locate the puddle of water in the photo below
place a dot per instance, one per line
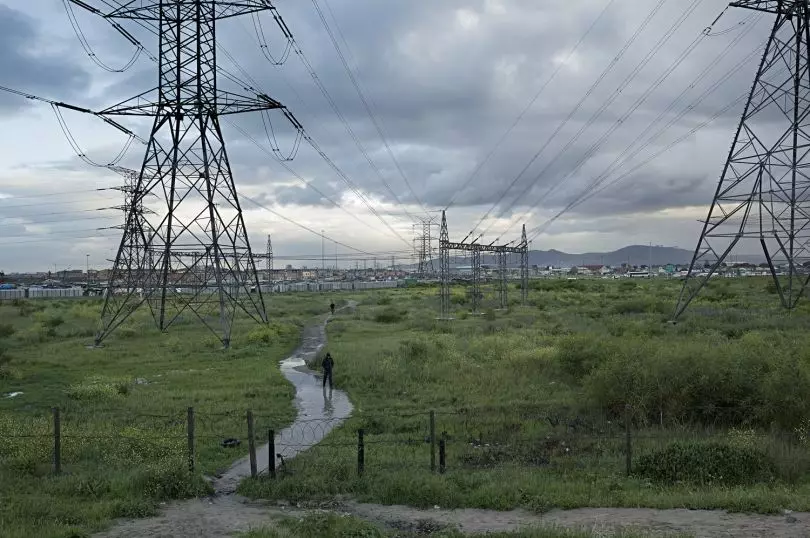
(319, 411)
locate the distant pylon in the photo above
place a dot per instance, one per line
(444, 268)
(269, 262)
(764, 190)
(423, 246)
(524, 267)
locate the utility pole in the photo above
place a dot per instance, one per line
(186, 167)
(323, 258)
(87, 268)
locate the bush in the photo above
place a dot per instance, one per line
(6, 330)
(390, 315)
(578, 355)
(99, 388)
(706, 463)
(271, 333)
(698, 380)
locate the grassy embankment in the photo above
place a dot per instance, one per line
(124, 406)
(736, 364)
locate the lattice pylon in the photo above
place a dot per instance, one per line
(193, 252)
(503, 282)
(764, 191)
(475, 256)
(524, 267)
(444, 269)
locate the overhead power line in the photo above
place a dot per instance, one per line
(528, 106)
(613, 62)
(363, 98)
(608, 103)
(339, 114)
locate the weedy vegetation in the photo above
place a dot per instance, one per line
(535, 401)
(124, 409)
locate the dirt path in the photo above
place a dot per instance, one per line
(225, 513)
(700, 523)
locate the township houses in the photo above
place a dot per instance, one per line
(594, 270)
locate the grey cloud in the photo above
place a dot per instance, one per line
(24, 66)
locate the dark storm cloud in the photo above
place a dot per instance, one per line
(23, 65)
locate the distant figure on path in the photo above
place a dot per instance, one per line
(332, 308)
(327, 365)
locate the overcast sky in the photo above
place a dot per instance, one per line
(445, 80)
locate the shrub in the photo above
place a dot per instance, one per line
(706, 463)
(578, 354)
(702, 380)
(99, 388)
(390, 315)
(6, 330)
(271, 333)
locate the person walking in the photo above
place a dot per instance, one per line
(332, 307)
(327, 364)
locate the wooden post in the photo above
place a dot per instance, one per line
(432, 441)
(190, 432)
(361, 453)
(271, 457)
(443, 453)
(628, 439)
(57, 441)
(251, 444)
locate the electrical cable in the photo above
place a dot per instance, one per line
(609, 102)
(528, 106)
(86, 44)
(364, 99)
(642, 26)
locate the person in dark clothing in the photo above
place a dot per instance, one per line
(327, 365)
(332, 308)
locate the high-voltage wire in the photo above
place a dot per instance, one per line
(363, 98)
(528, 106)
(610, 100)
(599, 184)
(642, 26)
(89, 50)
(635, 106)
(333, 105)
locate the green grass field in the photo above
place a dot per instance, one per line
(533, 400)
(123, 409)
(718, 398)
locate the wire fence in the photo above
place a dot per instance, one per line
(457, 440)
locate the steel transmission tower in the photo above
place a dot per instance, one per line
(194, 256)
(444, 268)
(269, 261)
(764, 190)
(423, 244)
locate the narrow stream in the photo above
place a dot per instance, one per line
(319, 411)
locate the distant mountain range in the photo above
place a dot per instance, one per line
(631, 255)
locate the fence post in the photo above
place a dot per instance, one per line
(361, 453)
(271, 456)
(432, 441)
(443, 453)
(628, 439)
(57, 441)
(190, 432)
(251, 444)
